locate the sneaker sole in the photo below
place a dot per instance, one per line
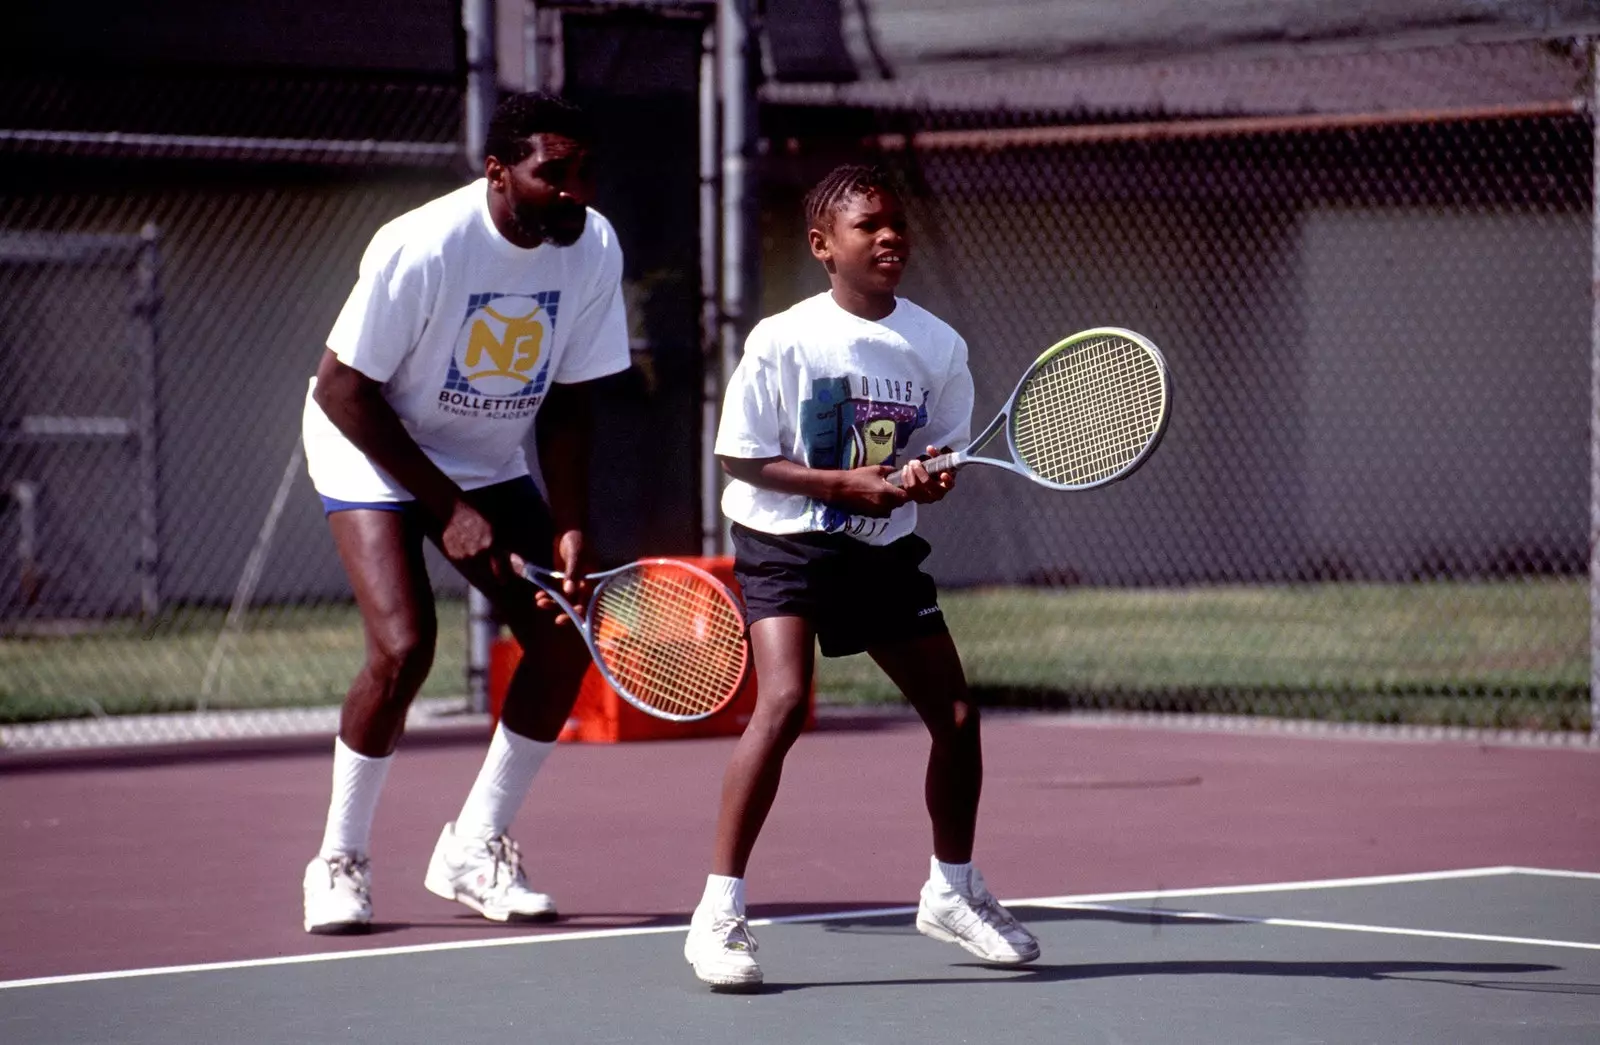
(447, 892)
(338, 928)
(934, 931)
(727, 983)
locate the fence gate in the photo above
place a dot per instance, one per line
(78, 426)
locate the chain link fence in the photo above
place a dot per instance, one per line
(174, 247)
(154, 415)
(1373, 499)
(1372, 282)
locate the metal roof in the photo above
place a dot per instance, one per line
(1185, 58)
(1461, 77)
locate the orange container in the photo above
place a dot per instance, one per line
(602, 717)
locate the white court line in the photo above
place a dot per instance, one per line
(1282, 887)
(1299, 923)
(425, 948)
(880, 912)
(1589, 875)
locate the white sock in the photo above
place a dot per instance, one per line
(503, 781)
(723, 895)
(955, 877)
(357, 783)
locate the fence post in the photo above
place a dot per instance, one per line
(148, 419)
(712, 377)
(737, 68)
(477, 18)
(1593, 101)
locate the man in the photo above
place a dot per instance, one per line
(475, 317)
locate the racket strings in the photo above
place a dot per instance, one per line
(1085, 415)
(670, 638)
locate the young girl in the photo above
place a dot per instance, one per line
(817, 415)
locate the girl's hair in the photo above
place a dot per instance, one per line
(521, 116)
(840, 185)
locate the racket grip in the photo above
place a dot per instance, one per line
(943, 463)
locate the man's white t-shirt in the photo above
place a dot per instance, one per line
(466, 332)
(828, 389)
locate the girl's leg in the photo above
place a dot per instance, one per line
(784, 650)
(928, 671)
(956, 905)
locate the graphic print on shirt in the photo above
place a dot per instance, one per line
(853, 421)
(500, 366)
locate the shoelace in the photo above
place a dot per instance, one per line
(990, 911)
(986, 911)
(347, 867)
(999, 919)
(503, 852)
(731, 931)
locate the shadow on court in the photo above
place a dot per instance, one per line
(1046, 974)
(1035, 915)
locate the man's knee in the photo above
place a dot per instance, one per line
(401, 651)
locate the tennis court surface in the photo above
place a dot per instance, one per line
(1188, 885)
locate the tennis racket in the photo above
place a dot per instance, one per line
(1087, 413)
(668, 636)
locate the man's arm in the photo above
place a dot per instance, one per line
(355, 404)
(564, 432)
(860, 491)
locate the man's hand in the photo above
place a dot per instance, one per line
(865, 491)
(572, 563)
(922, 487)
(468, 536)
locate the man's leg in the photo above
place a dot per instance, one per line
(382, 555)
(475, 861)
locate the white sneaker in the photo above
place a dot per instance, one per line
(487, 877)
(338, 891)
(975, 920)
(721, 949)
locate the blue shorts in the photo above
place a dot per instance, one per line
(333, 504)
(514, 508)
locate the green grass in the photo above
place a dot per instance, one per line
(1514, 654)
(285, 657)
(1503, 654)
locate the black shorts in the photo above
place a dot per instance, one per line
(855, 595)
(514, 508)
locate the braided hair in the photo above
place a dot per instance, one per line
(522, 116)
(842, 184)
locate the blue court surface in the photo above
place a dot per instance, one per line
(1490, 955)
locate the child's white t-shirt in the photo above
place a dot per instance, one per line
(466, 332)
(828, 389)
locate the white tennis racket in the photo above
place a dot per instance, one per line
(1088, 412)
(668, 636)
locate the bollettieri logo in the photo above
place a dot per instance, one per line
(501, 362)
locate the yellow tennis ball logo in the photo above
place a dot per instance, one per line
(502, 345)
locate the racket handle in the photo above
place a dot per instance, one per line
(943, 463)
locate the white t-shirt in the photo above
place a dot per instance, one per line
(466, 332)
(828, 389)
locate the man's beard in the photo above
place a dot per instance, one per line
(560, 224)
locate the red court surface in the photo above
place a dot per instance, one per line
(181, 859)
